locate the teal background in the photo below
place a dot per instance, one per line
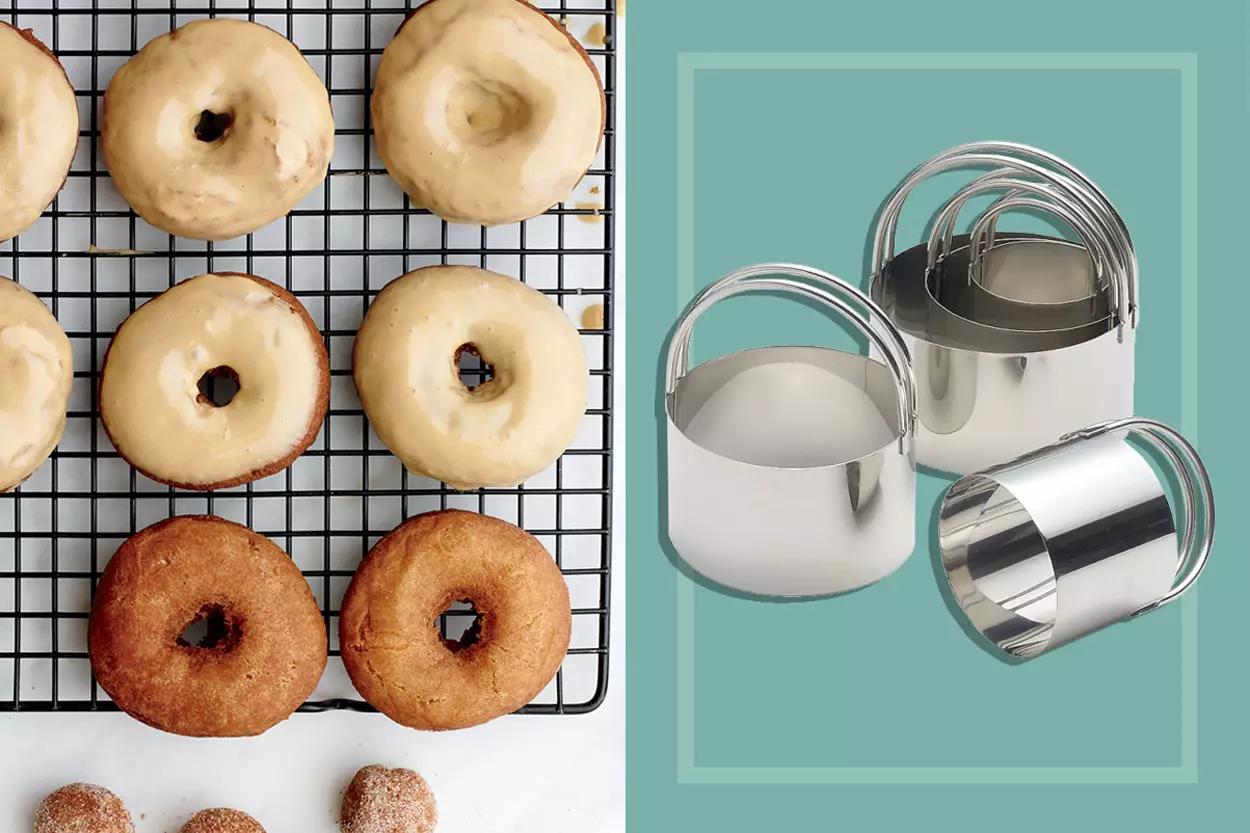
(875, 710)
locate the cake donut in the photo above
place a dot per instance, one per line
(265, 646)
(36, 375)
(38, 129)
(486, 111)
(83, 808)
(392, 647)
(216, 129)
(498, 433)
(222, 820)
(381, 800)
(227, 325)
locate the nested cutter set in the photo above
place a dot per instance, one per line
(1003, 357)
(93, 261)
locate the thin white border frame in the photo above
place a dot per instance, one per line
(1186, 64)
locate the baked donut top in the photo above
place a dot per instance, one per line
(487, 111)
(36, 373)
(150, 399)
(38, 129)
(216, 129)
(497, 433)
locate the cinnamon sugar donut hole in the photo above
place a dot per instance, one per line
(222, 820)
(83, 808)
(381, 800)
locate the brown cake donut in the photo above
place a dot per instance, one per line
(389, 636)
(82, 808)
(222, 820)
(381, 800)
(266, 644)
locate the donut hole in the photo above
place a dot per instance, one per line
(212, 126)
(473, 369)
(460, 626)
(218, 387)
(211, 630)
(485, 112)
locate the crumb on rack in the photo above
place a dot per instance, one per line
(592, 317)
(594, 216)
(597, 35)
(594, 189)
(93, 249)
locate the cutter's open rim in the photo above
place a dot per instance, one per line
(962, 295)
(1006, 244)
(873, 378)
(903, 291)
(1007, 592)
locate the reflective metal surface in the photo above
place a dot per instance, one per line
(1014, 158)
(791, 469)
(1023, 289)
(1017, 339)
(903, 290)
(1026, 283)
(1074, 537)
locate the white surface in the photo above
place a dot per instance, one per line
(517, 774)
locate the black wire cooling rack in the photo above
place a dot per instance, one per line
(93, 261)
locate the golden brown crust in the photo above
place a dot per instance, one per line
(581, 50)
(314, 423)
(222, 820)
(381, 800)
(269, 652)
(82, 808)
(390, 641)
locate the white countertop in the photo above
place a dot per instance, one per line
(524, 773)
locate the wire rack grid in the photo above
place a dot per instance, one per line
(93, 261)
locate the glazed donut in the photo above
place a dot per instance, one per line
(222, 820)
(264, 650)
(36, 374)
(225, 325)
(216, 129)
(83, 808)
(399, 661)
(405, 363)
(381, 800)
(486, 111)
(38, 129)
